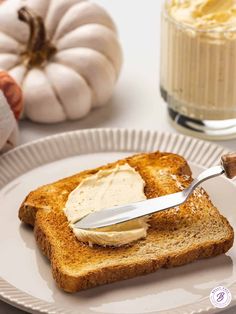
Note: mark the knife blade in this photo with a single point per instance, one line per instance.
(118, 214)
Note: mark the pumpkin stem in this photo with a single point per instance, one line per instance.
(39, 49)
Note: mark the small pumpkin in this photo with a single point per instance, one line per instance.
(64, 54)
(11, 105)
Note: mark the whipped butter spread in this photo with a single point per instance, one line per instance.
(198, 66)
(220, 14)
(107, 188)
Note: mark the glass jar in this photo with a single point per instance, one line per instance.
(198, 77)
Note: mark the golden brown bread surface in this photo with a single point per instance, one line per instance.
(178, 236)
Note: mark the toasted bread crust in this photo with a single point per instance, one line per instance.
(76, 266)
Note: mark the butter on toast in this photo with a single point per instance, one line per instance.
(178, 236)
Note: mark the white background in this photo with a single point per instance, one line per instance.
(136, 102)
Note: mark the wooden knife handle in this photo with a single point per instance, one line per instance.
(229, 164)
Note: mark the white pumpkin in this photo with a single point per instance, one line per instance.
(65, 55)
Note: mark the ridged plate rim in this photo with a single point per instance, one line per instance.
(52, 148)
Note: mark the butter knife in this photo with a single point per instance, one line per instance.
(111, 216)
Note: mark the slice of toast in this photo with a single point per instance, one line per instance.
(178, 236)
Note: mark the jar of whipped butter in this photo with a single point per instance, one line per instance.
(198, 66)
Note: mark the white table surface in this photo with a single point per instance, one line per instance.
(136, 102)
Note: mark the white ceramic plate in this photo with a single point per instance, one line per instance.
(26, 276)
